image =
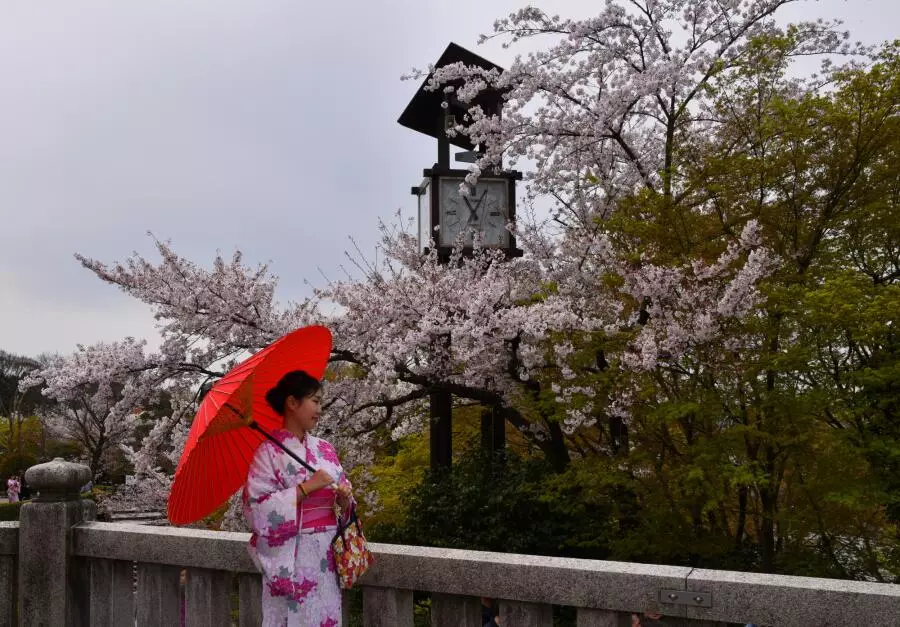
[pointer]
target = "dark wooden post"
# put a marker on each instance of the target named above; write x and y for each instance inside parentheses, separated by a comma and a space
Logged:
(441, 430)
(493, 433)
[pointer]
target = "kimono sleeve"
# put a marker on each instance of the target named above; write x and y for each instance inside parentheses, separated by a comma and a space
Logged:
(351, 506)
(328, 454)
(271, 511)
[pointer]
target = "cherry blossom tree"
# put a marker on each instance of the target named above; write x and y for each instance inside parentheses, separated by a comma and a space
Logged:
(209, 320)
(95, 402)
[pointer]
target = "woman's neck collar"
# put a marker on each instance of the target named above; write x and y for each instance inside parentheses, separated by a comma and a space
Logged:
(300, 434)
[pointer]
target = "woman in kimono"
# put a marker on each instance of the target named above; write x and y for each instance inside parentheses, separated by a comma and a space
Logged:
(292, 512)
(12, 489)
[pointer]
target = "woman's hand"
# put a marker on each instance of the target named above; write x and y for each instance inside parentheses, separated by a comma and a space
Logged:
(344, 495)
(318, 481)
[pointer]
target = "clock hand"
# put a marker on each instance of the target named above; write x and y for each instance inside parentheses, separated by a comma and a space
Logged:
(473, 212)
(480, 200)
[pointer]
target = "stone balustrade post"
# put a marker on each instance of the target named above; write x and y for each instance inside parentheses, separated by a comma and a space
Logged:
(53, 585)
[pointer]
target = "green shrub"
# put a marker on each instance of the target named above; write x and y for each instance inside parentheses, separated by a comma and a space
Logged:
(10, 511)
(98, 492)
(520, 507)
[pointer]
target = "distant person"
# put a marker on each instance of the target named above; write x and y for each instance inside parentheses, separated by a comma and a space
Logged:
(490, 615)
(638, 620)
(13, 487)
(24, 490)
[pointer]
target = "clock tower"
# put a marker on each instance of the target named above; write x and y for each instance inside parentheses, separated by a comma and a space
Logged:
(454, 212)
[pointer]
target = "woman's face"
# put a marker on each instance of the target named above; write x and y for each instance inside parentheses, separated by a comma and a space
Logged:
(303, 412)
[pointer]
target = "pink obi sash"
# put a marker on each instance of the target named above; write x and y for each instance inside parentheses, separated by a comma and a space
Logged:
(317, 510)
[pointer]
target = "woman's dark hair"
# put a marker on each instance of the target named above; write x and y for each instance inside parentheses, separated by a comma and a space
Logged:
(296, 383)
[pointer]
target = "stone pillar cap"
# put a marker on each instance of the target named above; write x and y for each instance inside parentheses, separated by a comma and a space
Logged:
(57, 479)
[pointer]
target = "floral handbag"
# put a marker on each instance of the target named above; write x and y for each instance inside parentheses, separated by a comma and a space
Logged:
(351, 552)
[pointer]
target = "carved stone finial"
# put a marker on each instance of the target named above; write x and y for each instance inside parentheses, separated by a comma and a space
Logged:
(57, 480)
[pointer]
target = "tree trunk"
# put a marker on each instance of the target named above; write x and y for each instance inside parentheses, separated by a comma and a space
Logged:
(768, 496)
(493, 438)
(768, 493)
(557, 451)
(618, 435)
(96, 458)
(767, 530)
(742, 518)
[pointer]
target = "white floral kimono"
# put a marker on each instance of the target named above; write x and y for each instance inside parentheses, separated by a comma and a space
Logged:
(300, 586)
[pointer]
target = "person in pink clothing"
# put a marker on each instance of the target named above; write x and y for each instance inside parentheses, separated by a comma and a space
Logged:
(13, 487)
(293, 513)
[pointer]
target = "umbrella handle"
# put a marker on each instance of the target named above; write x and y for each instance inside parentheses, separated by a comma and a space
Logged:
(255, 426)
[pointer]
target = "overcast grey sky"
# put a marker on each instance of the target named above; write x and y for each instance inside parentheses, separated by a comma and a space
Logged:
(264, 125)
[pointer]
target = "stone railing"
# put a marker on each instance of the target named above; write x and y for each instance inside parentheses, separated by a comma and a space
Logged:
(59, 567)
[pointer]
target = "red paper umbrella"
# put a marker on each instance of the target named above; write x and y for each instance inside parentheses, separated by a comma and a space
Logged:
(233, 420)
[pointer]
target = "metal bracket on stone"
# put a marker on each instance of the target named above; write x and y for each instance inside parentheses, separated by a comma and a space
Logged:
(689, 598)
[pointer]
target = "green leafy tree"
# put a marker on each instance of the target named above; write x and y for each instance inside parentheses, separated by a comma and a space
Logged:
(740, 444)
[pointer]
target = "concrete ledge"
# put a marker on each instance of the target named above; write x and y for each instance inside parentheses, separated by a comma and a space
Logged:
(784, 600)
(9, 538)
(616, 586)
(534, 579)
(215, 550)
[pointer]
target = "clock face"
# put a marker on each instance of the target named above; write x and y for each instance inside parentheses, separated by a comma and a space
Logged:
(485, 210)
